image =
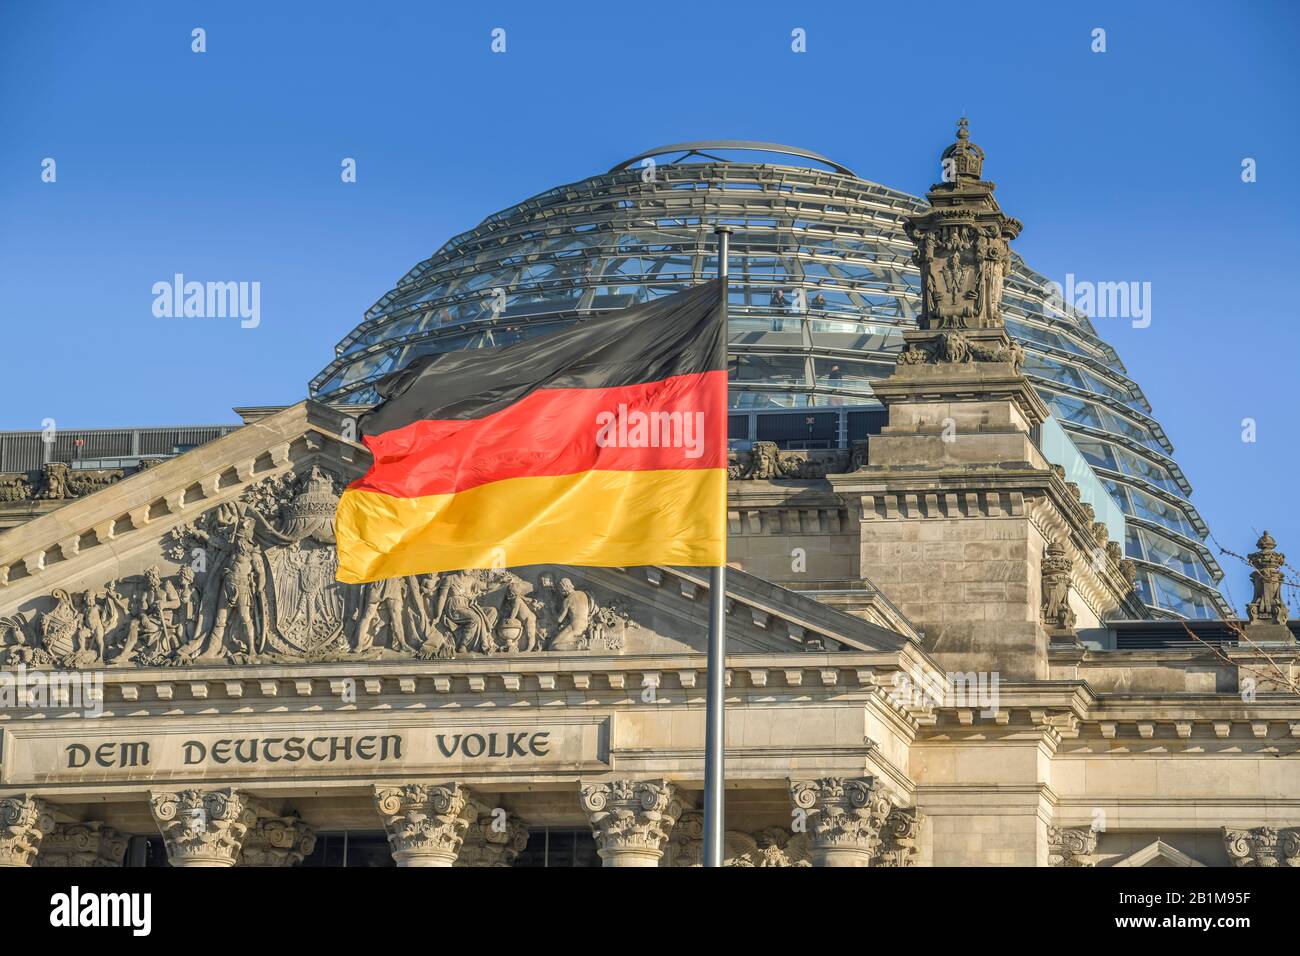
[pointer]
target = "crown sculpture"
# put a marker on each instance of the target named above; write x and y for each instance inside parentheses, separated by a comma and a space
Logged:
(963, 252)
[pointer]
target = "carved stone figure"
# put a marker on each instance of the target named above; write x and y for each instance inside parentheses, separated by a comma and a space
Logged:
(457, 609)
(386, 603)
(574, 619)
(517, 627)
(152, 631)
(59, 481)
(1056, 569)
(1267, 605)
(764, 462)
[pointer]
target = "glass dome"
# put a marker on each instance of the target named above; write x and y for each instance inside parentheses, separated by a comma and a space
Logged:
(822, 285)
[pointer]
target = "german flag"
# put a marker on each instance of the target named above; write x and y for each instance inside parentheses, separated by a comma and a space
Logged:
(603, 444)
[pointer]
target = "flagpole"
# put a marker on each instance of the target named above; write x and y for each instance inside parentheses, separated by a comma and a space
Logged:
(715, 726)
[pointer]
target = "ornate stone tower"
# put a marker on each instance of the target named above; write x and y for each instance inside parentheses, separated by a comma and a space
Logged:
(964, 523)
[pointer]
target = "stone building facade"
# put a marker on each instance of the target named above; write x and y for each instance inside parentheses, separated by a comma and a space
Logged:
(910, 680)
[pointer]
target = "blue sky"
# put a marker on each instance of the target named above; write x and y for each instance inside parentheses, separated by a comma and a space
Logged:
(1124, 165)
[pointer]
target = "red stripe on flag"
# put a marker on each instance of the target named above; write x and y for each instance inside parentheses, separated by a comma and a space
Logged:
(651, 426)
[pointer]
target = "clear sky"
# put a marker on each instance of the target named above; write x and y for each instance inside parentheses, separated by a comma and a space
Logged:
(225, 165)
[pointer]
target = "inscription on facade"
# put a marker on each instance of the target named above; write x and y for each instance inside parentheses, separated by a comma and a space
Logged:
(545, 745)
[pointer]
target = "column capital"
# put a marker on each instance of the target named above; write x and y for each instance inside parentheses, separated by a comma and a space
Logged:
(631, 819)
(1071, 846)
(24, 822)
(277, 841)
(844, 817)
(898, 837)
(493, 838)
(91, 844)
(203, 827)
(1263, 846)
(426, 823)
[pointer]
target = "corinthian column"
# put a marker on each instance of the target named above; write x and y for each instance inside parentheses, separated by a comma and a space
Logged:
(631, 819)
(494, 838)
(82, 845)
(203, 827)
(277, 841)
(426, 823)
(1262, 846)
(24, 822)
(843, 818)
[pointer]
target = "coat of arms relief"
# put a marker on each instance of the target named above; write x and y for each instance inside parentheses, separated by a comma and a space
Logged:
(255, 582)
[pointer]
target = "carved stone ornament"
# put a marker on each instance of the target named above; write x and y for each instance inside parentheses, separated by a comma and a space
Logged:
(955, 348)
(772, 846)
(766, 462)
(24, 822)
(495, 838)
(1056, 569)
(843, 818)
(58, 481)
(631, 819)
(1267, 605)
(91, 844)
(277, 841)
(962, 244)
(1263, 846)
(1071, 846)
(898, 837)
(426, 823)
(203, 827)
(256, 584)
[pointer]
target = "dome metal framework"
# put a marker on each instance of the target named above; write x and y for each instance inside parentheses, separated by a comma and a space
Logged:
(822, 285)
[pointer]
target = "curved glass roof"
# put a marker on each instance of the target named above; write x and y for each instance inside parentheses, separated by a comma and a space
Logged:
(822, 285)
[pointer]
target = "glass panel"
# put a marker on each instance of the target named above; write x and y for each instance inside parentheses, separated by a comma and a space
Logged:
(770, 369)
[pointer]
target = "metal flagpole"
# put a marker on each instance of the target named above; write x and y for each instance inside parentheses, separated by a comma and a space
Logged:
(714, 727)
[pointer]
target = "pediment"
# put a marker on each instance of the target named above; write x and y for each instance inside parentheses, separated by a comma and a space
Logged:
(1157, 854)
(226, 555)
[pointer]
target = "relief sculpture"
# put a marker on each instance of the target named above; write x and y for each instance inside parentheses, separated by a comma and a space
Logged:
(256, 582)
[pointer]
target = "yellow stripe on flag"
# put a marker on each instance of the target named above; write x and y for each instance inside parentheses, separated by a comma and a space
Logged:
(592, 518)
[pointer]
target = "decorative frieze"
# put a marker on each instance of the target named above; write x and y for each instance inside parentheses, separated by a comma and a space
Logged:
(1071, 846)
(91, 844)
(256, 584)
(842, 817)
(203, 827)
(1263, 846)
(426, 823)
(24, 822)
(631, 819)
(277, 841)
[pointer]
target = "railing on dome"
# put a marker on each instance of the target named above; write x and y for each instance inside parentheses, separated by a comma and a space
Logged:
(705, 149)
